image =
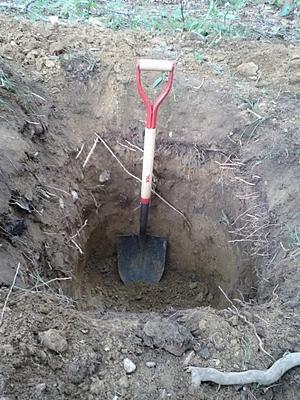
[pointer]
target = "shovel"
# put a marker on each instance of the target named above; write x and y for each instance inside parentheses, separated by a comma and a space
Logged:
(141, 258)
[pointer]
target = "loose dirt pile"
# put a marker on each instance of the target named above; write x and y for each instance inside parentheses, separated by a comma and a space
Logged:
(227, 158)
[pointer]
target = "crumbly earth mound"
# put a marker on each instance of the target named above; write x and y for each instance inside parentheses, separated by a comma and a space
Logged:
(227, 158)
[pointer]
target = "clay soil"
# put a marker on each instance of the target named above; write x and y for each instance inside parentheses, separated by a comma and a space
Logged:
(227, 159)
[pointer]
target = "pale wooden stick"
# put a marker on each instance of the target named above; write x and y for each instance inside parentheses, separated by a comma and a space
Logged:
(51, 280)
(80, 151)
(90, 152)
(139, 180)
(244, 181)
(135, 146)
(126, 147)
(55, 188)
(116, 158)
(77, 246)
(266, 377)
(80, 229)
(9, 293)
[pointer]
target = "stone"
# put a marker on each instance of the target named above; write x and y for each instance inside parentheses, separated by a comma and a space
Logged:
(129, 366)
(75, 196)
(163, 394)
(53, 19)
(193, 285)
(104, 176)
(56, 48)
(49, 64)
(168, 335)
(83, 365)
(248, 69)
(39, 63)
(53, 340)
(204, 353)
(97, 386)
(294, 65)
(150, 364)
(138, 351)
(294, 79)
(124, 382)
(188, 358)
(234, 320)
(7, 349)
(40, 388)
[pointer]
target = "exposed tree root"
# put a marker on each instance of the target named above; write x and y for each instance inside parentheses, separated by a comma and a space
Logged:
(267, 377)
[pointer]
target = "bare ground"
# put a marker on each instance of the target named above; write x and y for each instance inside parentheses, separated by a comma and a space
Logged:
(228, 158)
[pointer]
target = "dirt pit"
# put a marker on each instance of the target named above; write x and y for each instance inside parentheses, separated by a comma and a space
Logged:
(200, 256)
(227, 158)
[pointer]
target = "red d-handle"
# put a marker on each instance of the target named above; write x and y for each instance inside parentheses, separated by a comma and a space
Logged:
(153, 65)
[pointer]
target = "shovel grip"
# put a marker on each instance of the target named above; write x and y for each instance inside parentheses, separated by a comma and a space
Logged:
(156, 65)
(152, 108)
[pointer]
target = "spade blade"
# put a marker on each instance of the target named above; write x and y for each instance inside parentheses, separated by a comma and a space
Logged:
(141, 258)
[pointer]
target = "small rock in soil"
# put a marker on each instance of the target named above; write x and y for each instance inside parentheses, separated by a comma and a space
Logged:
(150, 364)
(168, 335)
(14, 228)
(53, 340)
(193, 285)
(129, 366)
(138, 351)
(234, 320)
(97, 386)
(104, 176)
(56, 48)
(247, 70)
(294, 79)
(40, 388)
(75, 196)
(124, 382)
(49, 63)
(204, 353)
(188, 358)
(163, 394)
(80, 367)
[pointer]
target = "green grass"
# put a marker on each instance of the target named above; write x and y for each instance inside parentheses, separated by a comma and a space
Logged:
(5, 82)
(3, 104)
(68, 9)
(294, 236)
(215, 21)
(199, 56)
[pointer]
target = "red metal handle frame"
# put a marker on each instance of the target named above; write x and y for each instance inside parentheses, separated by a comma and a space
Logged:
(152, 109)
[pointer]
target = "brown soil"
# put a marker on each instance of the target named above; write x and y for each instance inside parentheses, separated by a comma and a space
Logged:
(227, 157)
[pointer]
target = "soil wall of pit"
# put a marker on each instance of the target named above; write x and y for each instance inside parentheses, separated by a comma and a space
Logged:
(200, 256)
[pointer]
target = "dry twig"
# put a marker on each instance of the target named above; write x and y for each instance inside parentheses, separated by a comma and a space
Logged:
(58, 189)
(9, 293)
(241, 316)
(80, 229)
(90, 152)
(139, 180)
(238, 178)
(126, 147)
(77, 246)
(50, 281)
(80, 151)
(134, 146)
